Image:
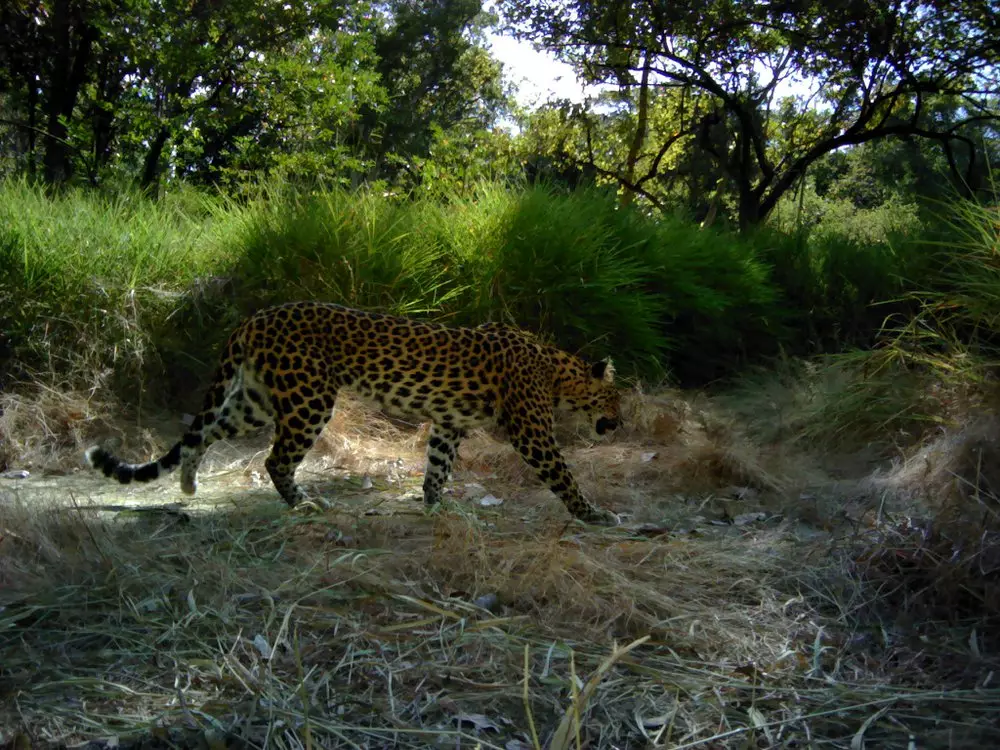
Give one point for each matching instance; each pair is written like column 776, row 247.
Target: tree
column 870, row 70
column 96, row 80
column 294, row 112
column 210, row 90
column 214, row 62
column 439, row 80
column 605, row 141
column 52, row 44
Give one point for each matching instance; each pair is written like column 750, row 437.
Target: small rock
column 474, row 490
column 488, row 602
column 366, row 482
column 744, row 518
column 647, row 457
column 490, row 500
column 16, row 474
column 261, row 644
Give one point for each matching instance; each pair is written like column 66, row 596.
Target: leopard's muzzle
column 605, row 425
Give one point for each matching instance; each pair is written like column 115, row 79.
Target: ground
column 744, row 603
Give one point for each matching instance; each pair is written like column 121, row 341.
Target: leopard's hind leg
column 234, row 408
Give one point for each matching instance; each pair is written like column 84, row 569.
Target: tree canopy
column 217, row 90
column 754, row 94
column 718, row 107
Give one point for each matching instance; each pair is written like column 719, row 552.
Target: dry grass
column 45, row 429
column 722, row 620
column 954, row 474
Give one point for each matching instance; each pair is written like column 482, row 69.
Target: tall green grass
column 934, row 361
column 121, row 290
column 964, row 310
column 83, row 277
column 570, row 266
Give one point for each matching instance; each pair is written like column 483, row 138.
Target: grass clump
column 843, row 402
column 836, row 292
column 96, row 287
column 84, row 278
column 723, row 309
column 569, row 266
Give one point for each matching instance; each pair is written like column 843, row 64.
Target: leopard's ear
column 603, row 370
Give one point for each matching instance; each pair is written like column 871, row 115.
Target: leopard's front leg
column 538, row 448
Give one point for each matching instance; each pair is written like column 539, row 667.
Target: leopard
column 286, row 364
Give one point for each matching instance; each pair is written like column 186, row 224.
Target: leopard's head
column 589, row 388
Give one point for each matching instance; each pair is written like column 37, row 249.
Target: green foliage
column 460, row 159
column 299, row 118
column 934, row 359
column 851, row 267
column 957, row 328
column 98, row 285
column 232, row 92
column 837, row 290
column 886, row 220
column 95, row 286
column 722, row 305
column 360, row 250
column 861, row 72
column 441, row 83
column 571, row 266
column 84, row 278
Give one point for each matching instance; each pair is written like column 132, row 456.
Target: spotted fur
column 286, row 364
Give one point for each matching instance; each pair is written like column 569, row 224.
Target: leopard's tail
column 103, row 460
column 213, row 422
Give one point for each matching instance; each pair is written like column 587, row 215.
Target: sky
column 539, row 77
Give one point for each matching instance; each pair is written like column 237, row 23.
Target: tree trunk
column 32, row 130
column 56, row 158
column 151, row 167
column 749, row 209
column 73, row 38
column 642, row 118
column 109, row 89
